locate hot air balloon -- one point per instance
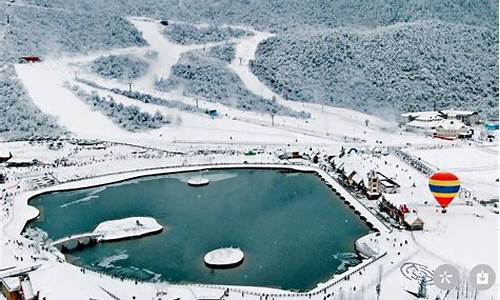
(444, 187)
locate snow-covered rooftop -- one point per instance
(357, 178)
(428, 118)
(422, 124)
(430, 115)
(409, 196)
(450, 112)
(451, 124)
(11, 283)
(395, 200)
(27, 289)
(412, 217)
(422, 115)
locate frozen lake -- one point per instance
(293, 229)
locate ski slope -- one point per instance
(327, 125)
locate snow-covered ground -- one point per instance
(476, 167)
(463, 236)
(44, 85)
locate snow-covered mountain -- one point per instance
(403, 67)
(376, 56)
(283, 15)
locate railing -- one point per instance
(318, 290)
(413, 161)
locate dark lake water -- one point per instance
(293, 229)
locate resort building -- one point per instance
(452, 129)
(468, 117)
(350, 178)
(373, 191)
(11, 288)
(378, 184)
(368, 181)
(355, 180)
(421, 121)
(292, 155)
(387, 185)
(413, 222)
(394, 206)
(27, 292)
(491, 125)
(438, 121)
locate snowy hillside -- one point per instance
(282, 15)
(123, 67)
(45, 32)
(201, 76)
(188, 34)
(381, 57)
(19, 116)
(129, 117)
(225, 52)
(404, 67)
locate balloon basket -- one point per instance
(443, 211)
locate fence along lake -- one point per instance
(295, 232)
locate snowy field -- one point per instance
(477, 167)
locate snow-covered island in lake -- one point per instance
(224, 258)
(198, 181)
(127, 228)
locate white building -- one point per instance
(413, 222)
(469, 117)
(426, 121)
(451, 129)
(421, 121)
(373, 186)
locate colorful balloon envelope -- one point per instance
(444, 187)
